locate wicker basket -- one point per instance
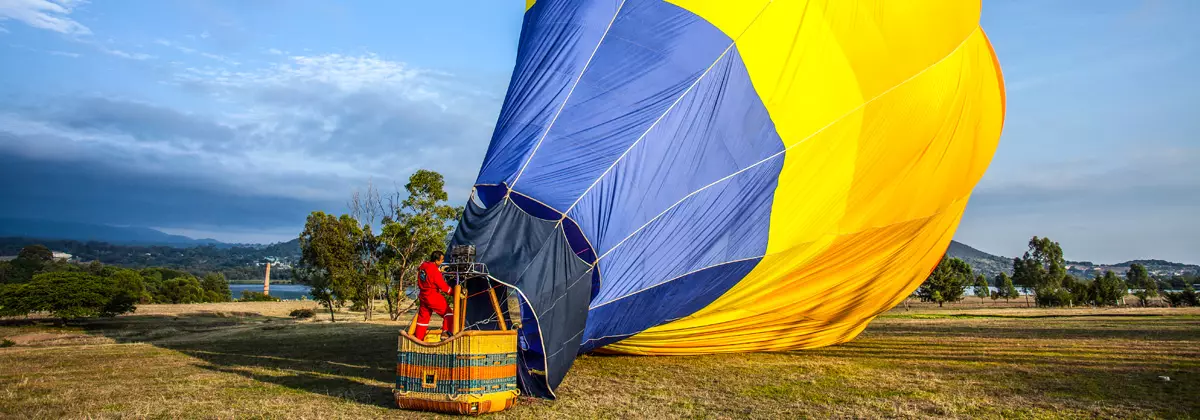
(473, 372)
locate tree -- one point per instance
(1004, 287)
(1078, 292)
(328, 256)
(13, 300)
(216, 288)
(30, 261)
(947, 282)
(165, 285)
(75, 295)
(1001, 291)
(127, 289)
(37, 253)
(320, 285)
(1140, 279)
(366, 209)
(1108, 289)
(185, 289)
(416, 226)
(981, 287)
(1042, 270)
(1189, 297)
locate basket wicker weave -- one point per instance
(473, 372)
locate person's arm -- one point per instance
(440, 282)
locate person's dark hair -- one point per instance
(433, 256)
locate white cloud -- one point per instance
(385, 116)
(187, 50)
(283, 173)
(346, 74)
(44, 14)
(274, 51)
(313, 127)
(125, 54)
(63, 54)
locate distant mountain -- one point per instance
(47, 229)
(236, 262)
(987, 264)
(991, 265)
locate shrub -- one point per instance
(72, 295)
(7, 343)
(1174, 299)
(250, 296)
(1187, 297)
(303, 313)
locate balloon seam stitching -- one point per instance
(556, 229)
(577, 279)
(490, 236)
(586, 66)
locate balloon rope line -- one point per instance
(732, 43)
(586, 65)
(781, 152)
(537, 321)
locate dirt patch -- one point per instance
(223, 314)
(56, 339)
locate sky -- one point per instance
(233, 120)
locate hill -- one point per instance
(987, 264)
(991, 265)
(50, 229)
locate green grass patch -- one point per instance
(1009, 363)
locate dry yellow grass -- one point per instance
(246, 360)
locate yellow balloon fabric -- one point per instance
(890, 112)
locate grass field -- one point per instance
(963, 361)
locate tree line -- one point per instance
(36, 282)
(237, 263)
(374, 250)
(1042, 273)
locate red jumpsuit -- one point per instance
(430, 283)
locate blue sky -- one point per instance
(234, 119)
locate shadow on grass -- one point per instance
(351, 361)
(1034, 316)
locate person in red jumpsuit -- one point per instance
(431, 286)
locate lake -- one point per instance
(282, 291)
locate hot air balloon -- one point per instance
(706, 176)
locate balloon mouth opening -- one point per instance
(489, 195)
